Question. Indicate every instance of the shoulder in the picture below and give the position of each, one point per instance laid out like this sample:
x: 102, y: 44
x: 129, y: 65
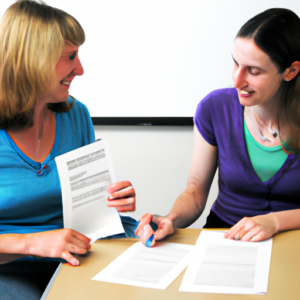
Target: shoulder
x: 77, y: 114
x: 75, y: 125
x: 216, y: 112
x: 223, y: 97
x: 77, y: 106
x: 219, y: 102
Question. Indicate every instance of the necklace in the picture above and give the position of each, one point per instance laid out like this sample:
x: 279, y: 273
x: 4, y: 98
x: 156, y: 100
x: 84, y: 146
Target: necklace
x: 270, y: 130
x: 265, y: 139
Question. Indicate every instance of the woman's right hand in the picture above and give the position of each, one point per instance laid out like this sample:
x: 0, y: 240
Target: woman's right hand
x: 165, y: 226
x: 58, y: 243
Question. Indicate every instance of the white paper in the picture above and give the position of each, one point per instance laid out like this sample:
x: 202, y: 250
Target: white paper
x: 84, y: 175
x: 220, y: 265
x: 155, y: 267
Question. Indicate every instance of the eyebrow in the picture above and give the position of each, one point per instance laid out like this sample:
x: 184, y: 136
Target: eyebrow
x: 251, y: 67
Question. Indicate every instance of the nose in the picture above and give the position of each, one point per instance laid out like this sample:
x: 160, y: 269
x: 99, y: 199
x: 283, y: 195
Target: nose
x: 239, y: 76
x: 78, y: 69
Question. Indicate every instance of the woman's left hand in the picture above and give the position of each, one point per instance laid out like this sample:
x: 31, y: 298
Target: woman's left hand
x: 122, y: 196
x: 254, y: 229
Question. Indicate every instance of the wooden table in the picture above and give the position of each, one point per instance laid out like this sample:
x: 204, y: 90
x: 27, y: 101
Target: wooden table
x: 74, y: 283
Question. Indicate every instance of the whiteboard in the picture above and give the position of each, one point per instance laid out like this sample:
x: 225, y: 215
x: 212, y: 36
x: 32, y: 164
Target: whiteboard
x: 156, y: 58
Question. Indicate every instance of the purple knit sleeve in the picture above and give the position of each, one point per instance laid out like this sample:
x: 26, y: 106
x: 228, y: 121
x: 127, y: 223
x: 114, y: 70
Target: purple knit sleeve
x: 204, y: 120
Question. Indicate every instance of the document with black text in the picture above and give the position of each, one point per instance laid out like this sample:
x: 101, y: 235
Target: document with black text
x: 219, y: 265
x: 84, y: 175
x: 156, y: 267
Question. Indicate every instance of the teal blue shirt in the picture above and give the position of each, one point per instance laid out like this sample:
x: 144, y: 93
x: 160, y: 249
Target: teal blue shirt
x: 30, y: 202
x: 30, y: 192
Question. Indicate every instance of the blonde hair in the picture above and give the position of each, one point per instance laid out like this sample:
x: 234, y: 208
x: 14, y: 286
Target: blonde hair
x: 32, y: 37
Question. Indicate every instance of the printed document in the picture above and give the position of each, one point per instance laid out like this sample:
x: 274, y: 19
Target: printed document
x: 84, y: 175
x: 155, y: 267
x: 219, y: 265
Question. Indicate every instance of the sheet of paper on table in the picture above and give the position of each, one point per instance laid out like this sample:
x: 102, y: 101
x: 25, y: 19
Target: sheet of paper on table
x: 219, y: 265
x: 155, y: 267
x: 84, y: 175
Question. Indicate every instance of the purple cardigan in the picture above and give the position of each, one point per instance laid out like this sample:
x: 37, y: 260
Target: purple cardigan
x: 219, y: 119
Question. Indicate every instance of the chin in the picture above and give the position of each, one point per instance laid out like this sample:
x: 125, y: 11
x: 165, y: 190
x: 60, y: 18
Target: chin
x: 247, y: 101
x: 62, y: 98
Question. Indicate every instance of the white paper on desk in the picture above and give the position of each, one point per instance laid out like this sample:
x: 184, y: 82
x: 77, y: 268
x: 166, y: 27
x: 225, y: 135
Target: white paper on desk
x: 84, y: 175
x: 219, y: 265
x: 155, y: 267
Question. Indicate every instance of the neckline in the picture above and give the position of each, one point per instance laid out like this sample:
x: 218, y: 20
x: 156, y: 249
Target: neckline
x: 245, y: 154
x: 266, y: 148
x: 26, y: 157
x: 26, y: 153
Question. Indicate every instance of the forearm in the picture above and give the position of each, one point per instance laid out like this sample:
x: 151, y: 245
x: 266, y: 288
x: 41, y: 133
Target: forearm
x: 188, y: 207
x: 191, y: 203
x: 288, y: 219
x: 13, y: 243
x: 12, y: 247
x: 19, y: 244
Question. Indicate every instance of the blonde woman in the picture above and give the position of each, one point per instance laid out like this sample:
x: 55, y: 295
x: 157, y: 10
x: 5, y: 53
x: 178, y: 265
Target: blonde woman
x: 39, y: 121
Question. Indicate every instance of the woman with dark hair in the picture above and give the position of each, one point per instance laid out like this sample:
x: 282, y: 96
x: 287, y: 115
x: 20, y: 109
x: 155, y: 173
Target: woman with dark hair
x: 251, y: 133
x: 39, y: 121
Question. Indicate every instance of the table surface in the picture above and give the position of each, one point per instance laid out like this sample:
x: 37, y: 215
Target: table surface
x: 74, y: 283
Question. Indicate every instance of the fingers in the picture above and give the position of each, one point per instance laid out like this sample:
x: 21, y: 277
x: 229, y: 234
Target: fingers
x: 79, y: 236
x: 165, y: 227
x: 70, y: 258
x: 147, y: 236
x: 123, y: 193
x: 145, y: 219
x: 254, y: 229
x: 258, y: 237
x: 80, y: 244
x: 121, y: 202
x: 118, y: 186
x: 122, y: 196
x: 252, y: 234
x: 238, y: 231
x: 122, y: 205
x: 80, y: 240
x: 125, y: 208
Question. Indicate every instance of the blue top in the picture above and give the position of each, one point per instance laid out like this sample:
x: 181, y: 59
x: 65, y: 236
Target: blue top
x: 219, y: 119
x: 30, y: 192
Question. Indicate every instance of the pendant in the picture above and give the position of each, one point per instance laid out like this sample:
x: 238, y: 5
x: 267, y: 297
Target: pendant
x: 273, y: 132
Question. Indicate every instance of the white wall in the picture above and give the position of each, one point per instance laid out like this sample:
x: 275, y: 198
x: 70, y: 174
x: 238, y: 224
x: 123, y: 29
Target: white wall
x: 156, y: 160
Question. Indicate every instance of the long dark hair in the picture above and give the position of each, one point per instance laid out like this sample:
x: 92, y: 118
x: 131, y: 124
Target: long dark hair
x: 277, y: 32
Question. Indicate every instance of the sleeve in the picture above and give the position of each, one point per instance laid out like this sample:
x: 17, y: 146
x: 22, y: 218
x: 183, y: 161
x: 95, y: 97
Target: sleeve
x: 204, y: 119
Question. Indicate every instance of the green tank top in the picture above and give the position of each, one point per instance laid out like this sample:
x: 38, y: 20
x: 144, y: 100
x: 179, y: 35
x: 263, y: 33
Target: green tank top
x: 266, y: 161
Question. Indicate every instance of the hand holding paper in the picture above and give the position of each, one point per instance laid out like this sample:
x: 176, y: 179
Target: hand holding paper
x: 85, y: 174
x: 122, y: 196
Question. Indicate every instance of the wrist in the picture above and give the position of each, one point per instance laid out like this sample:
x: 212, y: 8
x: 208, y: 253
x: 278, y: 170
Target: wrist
x: 275, y: 221
x: 173, y: 218
x: 27, y: 244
